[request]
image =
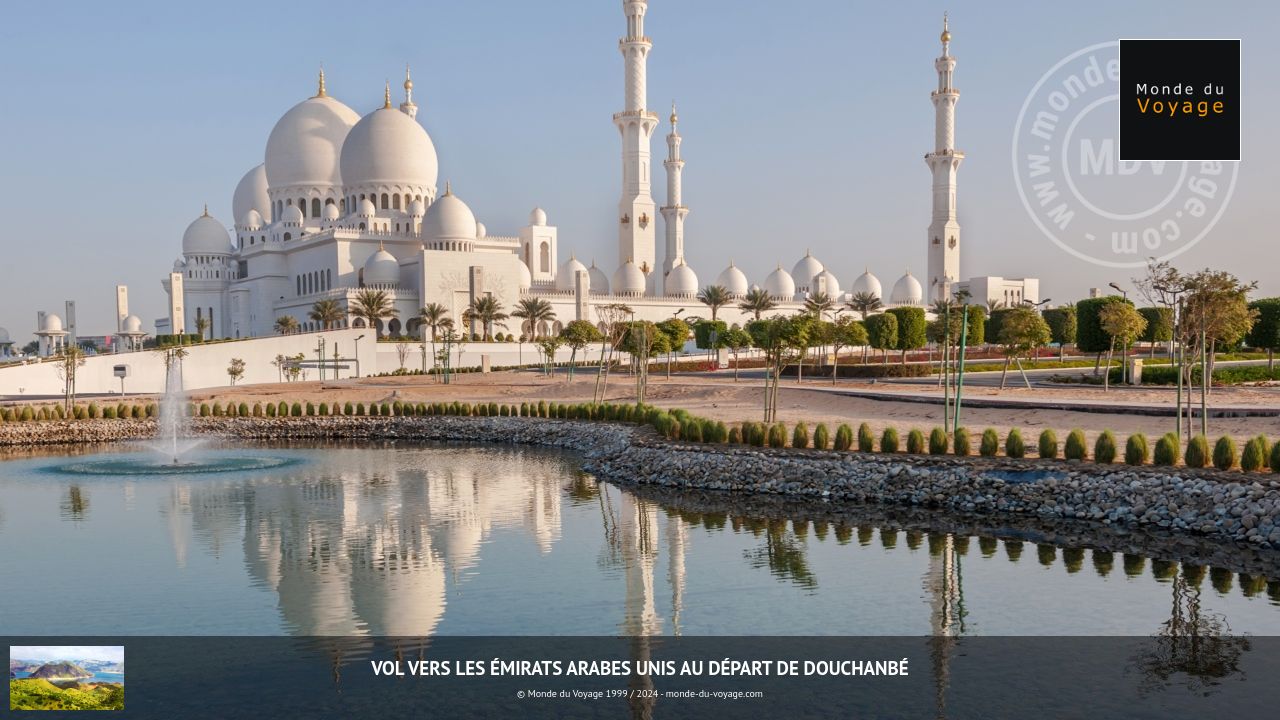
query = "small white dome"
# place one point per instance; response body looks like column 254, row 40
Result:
column 538, row 217
column 133, row 324
column 526, row 277
column 206, row 236
column 481, row 230
column 305, row 144
column 628, row 280
column 868, row 283
column 251, row 220
column 367, row 208
column 907, row 291
column 331, row 212
column 292, row 215
column 381, row 269
column 417, row 208
column 251, row 194
column 568, row 274
column 387, row 147
column 779, row 285
column 733, row 280
column 179, row 264
column 449, row 218
column 805, row 270
column 833, row 284
column 682, row 282
column 52, row 324
column 599, row 281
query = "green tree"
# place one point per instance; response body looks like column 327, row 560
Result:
column 780, row 339
column 714, row 297
column 68, row 364
column 1265, row 333
column 374, row 306
column 286, row 324
column 1022, row 332
column 1090, row 337
column 912, row 329
column 1159, row 326
column 202, row 327
column 326, row 313
column 1062, row 326
column 677, row 332
column 757, row 302
column 882, row 332
column 1122, row 323
column 864, row 303
column 845, row 332
column 736, row 340
column 577, row 335
column 818, row 305
column 235, row 370
column 488, row 312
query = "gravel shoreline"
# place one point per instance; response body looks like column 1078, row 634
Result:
column 1230, row 508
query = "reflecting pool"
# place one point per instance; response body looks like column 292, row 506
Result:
column 410, row 540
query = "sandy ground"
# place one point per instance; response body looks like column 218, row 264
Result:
column 812, row 401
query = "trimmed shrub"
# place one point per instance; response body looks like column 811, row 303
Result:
column 889, row 440
column 257, row 409
column 778, row 436
column 1274, row 459
column 153, row 410
column 542, row 409
column 1254, row 457
column 1224, row 453
column 360, row 408
column 123, row 411
column 282, row 409
column 800, row 436
column 1136, row 450
column 735, row 435
column 1014, row 446
column 348, row 409
column 1266, row 449
column 386, row 410
column 844, row 437
column 94, row 411
column 821, row 437
column 989, row 446
column 757, row 434
column 937, row 441
column 1197, row 452
column 960, row 443
column 108, row 413
column 1047, row 447
column 915, row 442
column 721, row 433
column 311, row 409
column 296, row 409
column 244, row 409
column 1166, row 452
column 1076, row 448
column 866, row 439
column 1104, row 449
column 231, row 410
column 139, row 412
column 271, row 409
column 204, row 410
column 693, row 433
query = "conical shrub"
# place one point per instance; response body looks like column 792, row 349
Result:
column 800, row 436
column 938, row 441
column 1254, row 457
column 889, row 441
column 844, row 438
column 1014, row 446
column 778, row 436
column 1136, row 450
column 1047, row 447
column 866, row 439
column 989, row 446
column 915, row 442
column 1224, row 453
column 1197, row 452
column 961, row 443
column 1166, row 452
column 1104, row 449
column 1075, row 448
column 821, row 437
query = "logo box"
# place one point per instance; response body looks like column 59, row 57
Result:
column 1180, row 100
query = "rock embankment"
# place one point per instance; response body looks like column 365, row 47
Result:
column 1229, row 507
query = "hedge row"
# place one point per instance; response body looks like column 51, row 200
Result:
column 92, row 411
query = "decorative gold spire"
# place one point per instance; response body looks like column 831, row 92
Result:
column 386, row 96
column 408, row 81
column 946, row 32
column 448, row 187
column 206, row 210
column 674, row 118
column 320, row 91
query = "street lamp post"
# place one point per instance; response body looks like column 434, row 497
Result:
column 358, row 339
column 1124, row 351
column 1176, row 360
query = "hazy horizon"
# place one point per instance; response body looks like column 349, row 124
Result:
column 804, row 127
column 61, row 653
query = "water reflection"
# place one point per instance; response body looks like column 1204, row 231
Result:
column 76, row 505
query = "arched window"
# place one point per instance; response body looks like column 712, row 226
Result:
column 288, row 237
column 395, row 202
column 315, row 207
column 302, row 205
column 361, row 226
column 289, row 202
column 385, row 201
column 343, row 206
column 544, row 258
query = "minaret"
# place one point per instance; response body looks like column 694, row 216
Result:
column 674, row 212
column 407, row 107
column 944, row 162
column 636, row 221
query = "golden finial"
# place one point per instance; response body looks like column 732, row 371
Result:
column 386, row 96
column 946, row 33
column 206, row 210
column 408, row 81
column 674, row 118
column 320, row 92
column 448, row 187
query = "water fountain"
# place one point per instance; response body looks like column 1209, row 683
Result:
column 172, row 431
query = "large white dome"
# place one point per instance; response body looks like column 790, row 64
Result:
column 568, row 274
column 682, row 282
column 251, row 194
column 868, row 283
column 52, row 324
column 389, row 148
column 833, row 284
column 381, row 269
column 805, row 270
column 779, row 285
column 449, row 218
column 907, row 291
column 628, row 280
column 733, row 280
column 599, row 281
column 206, row 236
column 305, row 145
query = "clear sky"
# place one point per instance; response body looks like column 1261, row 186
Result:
column 804, row 125
column 55, row 653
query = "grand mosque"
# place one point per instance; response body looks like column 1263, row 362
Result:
column 344, row 202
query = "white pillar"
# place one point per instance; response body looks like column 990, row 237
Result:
column 944, row 162
column 636, row 208
column 674, row 212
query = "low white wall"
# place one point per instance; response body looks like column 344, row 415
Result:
column 500, row 355
column 204, row 367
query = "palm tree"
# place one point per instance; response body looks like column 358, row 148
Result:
column 757, row 302
column 286, row 324
column 714, row 297
column 488, row 312
column 432, row 316
column 373, row 306
column 864, row 302
column 994, row 304
column 326, row 312
column 818, row 305
column 202, row 327
column 533, row 312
